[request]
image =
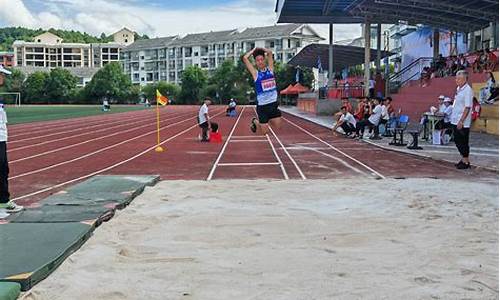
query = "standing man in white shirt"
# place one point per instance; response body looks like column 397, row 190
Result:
column 203, row 119
column 5, row 203
column 461, row 118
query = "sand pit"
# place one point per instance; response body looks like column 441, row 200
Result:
column 385, row 239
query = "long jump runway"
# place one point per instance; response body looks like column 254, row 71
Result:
column 47, row 156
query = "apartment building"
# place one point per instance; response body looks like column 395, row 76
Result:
column 48, row 51
column 164, row 59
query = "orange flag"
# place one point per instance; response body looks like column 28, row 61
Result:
column 160, row 98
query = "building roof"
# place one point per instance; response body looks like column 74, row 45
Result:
column 61, row 45
column 457, row 15
column 78, row 72
column 124, row 28
column 206, row 37
column 343, row 56
column 268, row 31
column 221, row 36
column 150, row 43
column 48, row 33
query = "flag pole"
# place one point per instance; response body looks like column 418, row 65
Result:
column 158, row 147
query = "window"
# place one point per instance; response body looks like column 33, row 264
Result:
column 271, row 44
column 142, row 56
column 289, row 43
column 297, row 44
column 196, row 54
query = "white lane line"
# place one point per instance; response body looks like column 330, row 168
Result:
column 100, row 124
column 212, row 171
column 249, row 164
column 245, row 136
column 336, row 149
column 95, row 152
column 28, row 127
column 285, row 174
column 110, row 167
column 282, row 167
column 289, row 155
column 89, row 141
column 332, row 157
column 245, row 141
column 77, row 135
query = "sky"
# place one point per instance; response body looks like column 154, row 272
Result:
column 156, row 18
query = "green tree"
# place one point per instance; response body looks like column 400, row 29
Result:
column 194, row 80
column 170, row 90
column 286, row 74
column 110, row 82
column 14, row 82
column 59, row 85
column 34, row 88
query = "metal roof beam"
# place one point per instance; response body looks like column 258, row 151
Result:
column 327, row 6
column 443, row 8
column 415, row 17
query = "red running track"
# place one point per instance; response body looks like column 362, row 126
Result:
column 46, row 157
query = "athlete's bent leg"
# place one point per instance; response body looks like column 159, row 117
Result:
column 275, row 122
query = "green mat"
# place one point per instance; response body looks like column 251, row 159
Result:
column 103, row 190
column 64, row 213
column 29, row 252
column 9, row 290
column 94, row 199
column 33, row 243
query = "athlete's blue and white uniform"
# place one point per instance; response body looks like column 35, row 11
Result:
column 267, row 96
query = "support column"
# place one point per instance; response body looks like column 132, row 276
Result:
column 435, row 43
column 379, row 42
column 330, row 58
column 367, row 56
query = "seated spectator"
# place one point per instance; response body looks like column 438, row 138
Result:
column 347, row 104
column 363, row 110
column 440, row 65
column 372, row 121
column 425, row 76
column 230, row 107
column 476, row 109
column 445, row 124
column 492, row 62
column 481, row 62
column 462, row 62
column 434, row 110
column 346, row 122
column 489, row 89
column 215, row 136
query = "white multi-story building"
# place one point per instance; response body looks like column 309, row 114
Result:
column 164, row 59
column 48, row 51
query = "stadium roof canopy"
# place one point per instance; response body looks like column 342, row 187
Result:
column 455, row 15
column 344, row 56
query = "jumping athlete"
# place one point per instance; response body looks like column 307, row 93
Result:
column 265, row 89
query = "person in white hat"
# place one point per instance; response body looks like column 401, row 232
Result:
column 441, row 106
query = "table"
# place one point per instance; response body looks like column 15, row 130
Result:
column 432, row 120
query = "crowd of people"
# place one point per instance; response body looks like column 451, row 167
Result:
column 480, row 61
column 369, row 113
column 456, row 116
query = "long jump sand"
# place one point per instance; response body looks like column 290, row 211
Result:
column 368, row 239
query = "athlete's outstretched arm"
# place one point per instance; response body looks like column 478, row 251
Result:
column 270, row 60
column 249, row 65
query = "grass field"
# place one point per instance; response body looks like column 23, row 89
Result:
column 34, row 113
